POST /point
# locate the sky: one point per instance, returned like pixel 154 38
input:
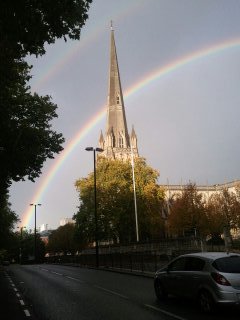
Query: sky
pixel 179 63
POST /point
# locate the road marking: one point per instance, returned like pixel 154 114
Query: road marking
pixel 164 312
pixel 112 292
pixel 15 289
pixel 22 302
pixel 59 274
pixel 74 279
pixel 45 269
pixel 18 295
pixel 27 313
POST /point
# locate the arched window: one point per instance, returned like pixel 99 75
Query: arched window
pixel 120 141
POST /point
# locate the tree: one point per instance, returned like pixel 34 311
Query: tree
pixel 7 220
pixel 188 214
pixel 26 24
pixel 223 210
pixel 115 205
pixel 62 240
pixel 26 136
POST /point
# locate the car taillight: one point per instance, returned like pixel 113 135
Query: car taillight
pixel 220 279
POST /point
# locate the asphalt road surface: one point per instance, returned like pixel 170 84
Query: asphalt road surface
pixel 67 293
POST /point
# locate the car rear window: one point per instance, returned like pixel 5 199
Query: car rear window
pixel 229 264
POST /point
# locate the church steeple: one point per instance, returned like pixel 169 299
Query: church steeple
pixel 117 142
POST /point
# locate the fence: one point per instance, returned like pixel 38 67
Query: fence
pixel 140 257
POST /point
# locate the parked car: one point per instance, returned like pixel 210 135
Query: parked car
pixel 5 263
pixel 210 278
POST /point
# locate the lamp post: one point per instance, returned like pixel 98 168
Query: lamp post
pixel 20 248
pixel 35 229
pixel 95 199
pixel 134 193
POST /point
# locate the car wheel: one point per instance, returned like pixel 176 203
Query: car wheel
pixel 206 302
pixel 160 291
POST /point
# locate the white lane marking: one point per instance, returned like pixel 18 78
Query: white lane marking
pixel 112 292
pixel 59 274
pixel 165 312
pixel 27 313
pixel 74 279
pixel 22 302
pixel 45 269
pixel 15 289
pixel 18 295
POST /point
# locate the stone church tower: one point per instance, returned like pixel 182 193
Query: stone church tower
pixel 117 144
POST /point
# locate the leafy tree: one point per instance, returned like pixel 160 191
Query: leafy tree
pixel 23 242
pixel 115 204
pixel 223 210
pixel 62 240
pixel 27 244
pixel 188 214
pixel 27 24
pixel 7 220
pixel 26 136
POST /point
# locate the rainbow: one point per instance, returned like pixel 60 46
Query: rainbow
pixel 77 47
pixel 142 83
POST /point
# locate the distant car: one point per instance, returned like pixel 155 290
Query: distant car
pixel 210 278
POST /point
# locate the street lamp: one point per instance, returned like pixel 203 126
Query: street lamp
pixel 35 229
pixel 95 199
pixel 20 249
pixel 134 193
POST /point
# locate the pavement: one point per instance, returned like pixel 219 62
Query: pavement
pixel 12 304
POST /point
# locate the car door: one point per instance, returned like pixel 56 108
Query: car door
pixel 173 280
pixel 192 276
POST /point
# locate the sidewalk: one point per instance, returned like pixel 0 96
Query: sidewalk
pixel 11 302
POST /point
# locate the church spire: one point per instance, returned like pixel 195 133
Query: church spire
pixel 117 142
pixel 116 117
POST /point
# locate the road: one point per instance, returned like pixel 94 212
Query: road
pixel 68 293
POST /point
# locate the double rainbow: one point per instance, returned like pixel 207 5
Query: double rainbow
pixel 142 83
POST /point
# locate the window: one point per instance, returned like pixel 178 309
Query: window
pixel 178 265
pixel 120 140
pixel 229 264
pixel 194 264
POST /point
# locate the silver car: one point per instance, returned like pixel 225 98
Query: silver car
pixel 209 277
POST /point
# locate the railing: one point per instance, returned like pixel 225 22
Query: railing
pixel 143 258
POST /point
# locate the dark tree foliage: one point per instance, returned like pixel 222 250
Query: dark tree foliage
pixel 26 135
pixel 62 240
pixel 27 24
pixel 7 220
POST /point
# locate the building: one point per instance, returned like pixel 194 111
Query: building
pixel 116 143
pixel 65 221
pixel 205 190
pixel 43 227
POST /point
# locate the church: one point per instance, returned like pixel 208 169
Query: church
pixel 116 143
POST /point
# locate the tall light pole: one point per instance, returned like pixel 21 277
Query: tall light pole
pixel 35 229
pixel 134 194
pixel 95 199
pixel 21 238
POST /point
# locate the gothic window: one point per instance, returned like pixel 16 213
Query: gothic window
pixel 113 141
pixel 120 141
